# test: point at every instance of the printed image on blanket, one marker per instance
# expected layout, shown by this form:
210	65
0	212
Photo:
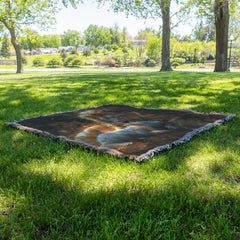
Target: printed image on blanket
136	133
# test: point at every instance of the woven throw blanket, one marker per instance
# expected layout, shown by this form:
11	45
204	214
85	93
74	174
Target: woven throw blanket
122	130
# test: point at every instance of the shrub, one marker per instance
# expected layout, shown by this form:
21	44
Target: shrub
150	62
178	60
86	52
211	57
180	54
105	52
126	59
109	48
24	60
119	60
63	54
115	46
153	49
175	64
131	46
96	50
38	62
109	61
195	56
74	51
125	50
76	62
118	52
203	59
138	62
54	62
73	61
68	60
97	62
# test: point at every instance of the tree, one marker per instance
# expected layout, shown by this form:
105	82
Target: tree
5	49
15	15
221	10
234	25
31	41
144	9
115	35
205	32
97	36
124	35
72	38
51	41
165	9
154	48
144	35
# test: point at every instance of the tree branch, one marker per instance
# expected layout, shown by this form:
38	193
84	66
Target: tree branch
5	23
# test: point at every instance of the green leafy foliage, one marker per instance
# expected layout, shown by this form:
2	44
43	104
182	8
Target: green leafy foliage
71	38
115	35
77	62
63	54
5	49
150	62
74	51
97	36
51	41
38	62
86	52
73	61
154	48
138	62
109	62
178	60
21	13
68	60
125	50
17	15
96	50
30	40
24	60
54	62
119	60
175	64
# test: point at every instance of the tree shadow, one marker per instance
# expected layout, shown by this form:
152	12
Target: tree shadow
72	91
48	208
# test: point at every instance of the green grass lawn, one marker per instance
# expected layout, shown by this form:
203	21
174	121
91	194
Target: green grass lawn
52	190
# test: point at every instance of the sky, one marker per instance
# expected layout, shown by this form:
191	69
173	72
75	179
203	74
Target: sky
88	13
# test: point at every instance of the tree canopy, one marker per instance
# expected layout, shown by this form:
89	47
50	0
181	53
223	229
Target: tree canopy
97	36
17	15
145	9
71	38
5	49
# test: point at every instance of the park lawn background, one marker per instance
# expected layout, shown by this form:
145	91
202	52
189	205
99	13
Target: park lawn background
52	190
89	60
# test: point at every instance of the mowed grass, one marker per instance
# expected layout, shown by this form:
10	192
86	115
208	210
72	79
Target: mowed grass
52	190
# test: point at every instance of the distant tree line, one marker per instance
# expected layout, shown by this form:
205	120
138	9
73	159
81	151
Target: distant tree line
17	15
93	36
195	48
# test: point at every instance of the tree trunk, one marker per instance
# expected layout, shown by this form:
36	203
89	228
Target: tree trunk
165	8
17	48
221	12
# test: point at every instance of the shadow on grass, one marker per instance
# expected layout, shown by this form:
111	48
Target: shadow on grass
112	198
55	92
33	95
42	205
